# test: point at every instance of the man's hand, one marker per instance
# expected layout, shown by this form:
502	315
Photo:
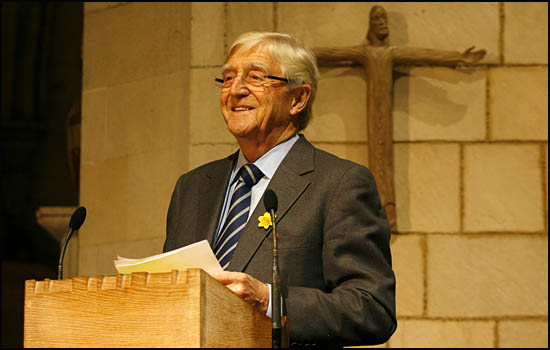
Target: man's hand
247	287
470	56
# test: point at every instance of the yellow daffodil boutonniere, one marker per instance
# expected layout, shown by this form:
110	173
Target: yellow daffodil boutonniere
265	221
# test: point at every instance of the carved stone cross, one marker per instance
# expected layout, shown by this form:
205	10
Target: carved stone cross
378	59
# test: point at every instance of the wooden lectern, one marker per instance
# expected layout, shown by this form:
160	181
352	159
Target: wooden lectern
187	309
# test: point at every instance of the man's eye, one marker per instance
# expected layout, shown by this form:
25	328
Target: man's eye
255	76
228	78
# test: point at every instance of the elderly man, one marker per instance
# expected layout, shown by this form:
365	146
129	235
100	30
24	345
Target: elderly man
334	237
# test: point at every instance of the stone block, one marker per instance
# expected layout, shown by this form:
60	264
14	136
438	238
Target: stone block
135	41
526	32
449	26
407	261
427	187
104	193
523	334
519	103
142	116
151	181
107	254
204	153
440	104
128	249
502	188
356	152
340	109
94	115
99	259
504	276
445	26
324	24
207	21
206	119
248	16
87	260
443	334
142	248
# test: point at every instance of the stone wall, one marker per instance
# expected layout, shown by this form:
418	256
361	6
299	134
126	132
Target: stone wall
471	153
135	126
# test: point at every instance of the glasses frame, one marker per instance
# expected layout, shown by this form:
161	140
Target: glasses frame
219	82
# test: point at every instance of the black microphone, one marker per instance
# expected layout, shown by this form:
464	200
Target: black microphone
77	219
270	200
278	340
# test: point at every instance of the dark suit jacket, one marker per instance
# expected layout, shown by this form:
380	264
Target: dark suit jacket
334	249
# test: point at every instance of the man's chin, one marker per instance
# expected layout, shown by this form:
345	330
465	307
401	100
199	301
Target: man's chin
241	132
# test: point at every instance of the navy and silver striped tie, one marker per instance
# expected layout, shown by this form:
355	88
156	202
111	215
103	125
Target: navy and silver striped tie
237	215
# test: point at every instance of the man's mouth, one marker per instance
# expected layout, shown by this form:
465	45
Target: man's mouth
242	108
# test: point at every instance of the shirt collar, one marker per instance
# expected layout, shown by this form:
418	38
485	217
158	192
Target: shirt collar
270	161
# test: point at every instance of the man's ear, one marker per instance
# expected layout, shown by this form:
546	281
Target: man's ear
300	99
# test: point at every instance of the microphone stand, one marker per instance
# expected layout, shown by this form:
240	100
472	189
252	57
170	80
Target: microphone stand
275	292
279	325
60	264
77	219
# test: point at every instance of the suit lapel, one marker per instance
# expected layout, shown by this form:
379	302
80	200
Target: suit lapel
288	184
212	193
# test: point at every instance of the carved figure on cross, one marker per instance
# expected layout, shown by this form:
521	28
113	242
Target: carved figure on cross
377	58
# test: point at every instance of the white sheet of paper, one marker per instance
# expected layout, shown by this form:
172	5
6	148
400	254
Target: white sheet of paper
196	255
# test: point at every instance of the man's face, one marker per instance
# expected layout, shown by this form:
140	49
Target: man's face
255	113
379	23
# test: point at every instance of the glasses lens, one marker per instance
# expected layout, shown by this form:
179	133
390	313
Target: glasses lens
252	79
228	78
255	78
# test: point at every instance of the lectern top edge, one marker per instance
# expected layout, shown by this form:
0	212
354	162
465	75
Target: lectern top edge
100	282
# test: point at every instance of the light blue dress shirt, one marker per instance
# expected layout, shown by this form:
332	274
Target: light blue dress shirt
268	164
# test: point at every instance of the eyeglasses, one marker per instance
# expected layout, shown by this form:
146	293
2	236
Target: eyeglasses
252	79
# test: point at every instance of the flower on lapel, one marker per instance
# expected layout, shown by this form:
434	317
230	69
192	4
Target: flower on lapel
264	221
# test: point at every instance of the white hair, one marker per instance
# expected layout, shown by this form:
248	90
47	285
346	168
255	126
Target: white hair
298	62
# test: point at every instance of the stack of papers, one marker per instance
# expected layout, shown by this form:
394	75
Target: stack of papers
196	255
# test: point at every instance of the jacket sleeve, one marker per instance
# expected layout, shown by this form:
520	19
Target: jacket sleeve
358	303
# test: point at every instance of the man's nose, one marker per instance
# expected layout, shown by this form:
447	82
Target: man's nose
238	87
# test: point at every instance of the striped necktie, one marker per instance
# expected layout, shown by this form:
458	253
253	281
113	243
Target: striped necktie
237	215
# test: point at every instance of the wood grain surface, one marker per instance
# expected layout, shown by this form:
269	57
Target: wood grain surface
174	309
